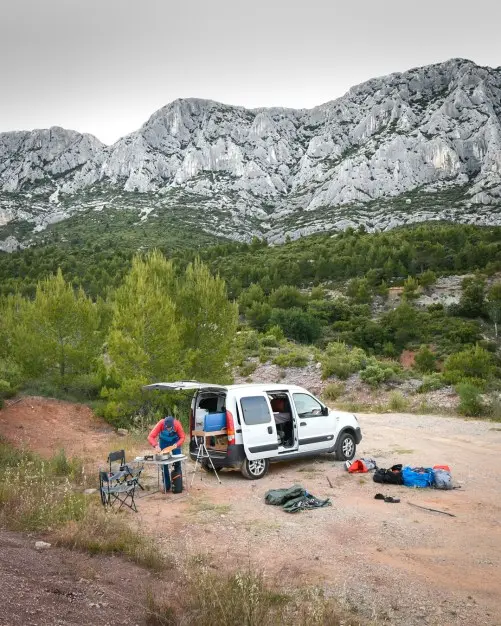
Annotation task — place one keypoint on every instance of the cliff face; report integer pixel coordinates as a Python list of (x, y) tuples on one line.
[(430, 129)]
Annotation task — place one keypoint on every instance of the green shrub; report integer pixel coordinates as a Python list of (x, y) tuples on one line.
[(276, 332), (294, 357), (296, 324), (341, 361), (470, 403), (425, 361), (85, 387), (265, 354), (250, 342), (495, 409), (11, 372), (432, 382), (474, 363), (376, 373), (397, 401), (247, 368), (286, 297), (6, 390), (333, 391)]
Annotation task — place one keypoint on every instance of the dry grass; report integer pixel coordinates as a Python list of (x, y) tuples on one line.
[(36, 495), (105, 531), (244, 597)]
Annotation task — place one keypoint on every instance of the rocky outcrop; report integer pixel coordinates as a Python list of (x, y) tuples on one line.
[(429, 129)]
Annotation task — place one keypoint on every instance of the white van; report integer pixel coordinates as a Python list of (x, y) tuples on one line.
[(266, 423)]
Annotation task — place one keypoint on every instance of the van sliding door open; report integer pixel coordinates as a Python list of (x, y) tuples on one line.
[(259, 432)]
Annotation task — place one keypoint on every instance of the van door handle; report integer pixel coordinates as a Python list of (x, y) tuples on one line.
[(302, 423), (270, 429)]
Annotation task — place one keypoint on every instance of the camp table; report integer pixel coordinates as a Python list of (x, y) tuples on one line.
[(176, 458)]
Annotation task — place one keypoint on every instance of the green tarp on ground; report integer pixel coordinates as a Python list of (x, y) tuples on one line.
[(294, 499)]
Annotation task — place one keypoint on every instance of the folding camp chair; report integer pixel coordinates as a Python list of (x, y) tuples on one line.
[(112, 491), (127, 471)]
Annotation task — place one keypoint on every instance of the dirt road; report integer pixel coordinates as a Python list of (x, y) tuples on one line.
[(394, 562)]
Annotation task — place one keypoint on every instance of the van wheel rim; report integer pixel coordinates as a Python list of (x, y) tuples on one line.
[(347, 447), (256, 467)]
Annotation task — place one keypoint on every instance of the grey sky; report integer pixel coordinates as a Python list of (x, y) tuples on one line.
[(104, 66)]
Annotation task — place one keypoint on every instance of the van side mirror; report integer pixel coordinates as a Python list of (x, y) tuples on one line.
[(325, 410)]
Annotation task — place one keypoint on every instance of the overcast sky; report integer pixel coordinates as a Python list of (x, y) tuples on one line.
[(104, 66)]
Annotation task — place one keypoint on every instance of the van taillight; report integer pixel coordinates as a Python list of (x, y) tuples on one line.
[(230, 428), (192, 421)]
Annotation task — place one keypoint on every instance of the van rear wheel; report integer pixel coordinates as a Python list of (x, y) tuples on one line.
[(257, 468)]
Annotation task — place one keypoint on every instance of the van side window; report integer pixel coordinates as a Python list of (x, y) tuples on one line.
[(255, 410), (306, 406)]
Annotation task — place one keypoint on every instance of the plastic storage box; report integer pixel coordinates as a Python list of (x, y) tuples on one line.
[(214, 421)]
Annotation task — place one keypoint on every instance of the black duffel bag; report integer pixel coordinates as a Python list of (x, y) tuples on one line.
[(177, 482), (392, 476)]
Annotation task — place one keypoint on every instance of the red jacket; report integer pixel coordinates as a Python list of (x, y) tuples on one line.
[(152, 437)]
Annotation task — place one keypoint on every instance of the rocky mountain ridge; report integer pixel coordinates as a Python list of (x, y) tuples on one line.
[(423, 144)]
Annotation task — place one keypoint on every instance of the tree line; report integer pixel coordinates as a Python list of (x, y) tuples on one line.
[(159, 324)]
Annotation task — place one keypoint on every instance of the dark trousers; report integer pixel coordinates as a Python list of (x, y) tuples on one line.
[(176, 469)]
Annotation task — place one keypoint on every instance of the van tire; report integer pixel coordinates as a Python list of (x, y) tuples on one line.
[(346, 447), (253, 470), (206, 466)]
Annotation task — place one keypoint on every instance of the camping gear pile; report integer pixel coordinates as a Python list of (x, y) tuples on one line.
[(294, 499), (437, 477)]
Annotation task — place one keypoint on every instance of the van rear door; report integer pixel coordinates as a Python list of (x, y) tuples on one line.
[(185, 385), (259, 431)]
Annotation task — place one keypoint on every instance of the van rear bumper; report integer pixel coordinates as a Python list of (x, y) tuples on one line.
[(232, 458)]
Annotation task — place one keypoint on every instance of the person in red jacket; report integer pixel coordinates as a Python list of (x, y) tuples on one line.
[(168, 433)]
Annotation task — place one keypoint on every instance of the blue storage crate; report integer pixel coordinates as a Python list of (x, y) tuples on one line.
[(214, 421)]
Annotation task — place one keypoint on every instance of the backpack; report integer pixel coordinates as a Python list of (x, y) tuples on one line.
[(392, 476), (442, 477), (418, 476)]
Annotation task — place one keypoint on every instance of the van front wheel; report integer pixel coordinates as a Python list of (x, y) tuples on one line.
[(252, 470), (346, 447)]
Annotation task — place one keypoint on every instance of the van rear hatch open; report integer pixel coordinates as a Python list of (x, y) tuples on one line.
[(185, 385), (204, 391)]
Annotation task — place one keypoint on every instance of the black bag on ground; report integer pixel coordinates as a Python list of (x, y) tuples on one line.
[(177, 482), (392, 476)]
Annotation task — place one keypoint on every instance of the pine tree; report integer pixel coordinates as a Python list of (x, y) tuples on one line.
[(208, 321), (57, 335)]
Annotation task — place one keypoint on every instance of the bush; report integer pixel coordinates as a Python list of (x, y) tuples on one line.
[(296, 324), (397, 401), (286, 297), (6, 390), (341, 361), (295, 357), (471, 363), (431, 383), (376, 373), (425, 361), (470, 403), (247, 368), (333, 391), (85, 387)]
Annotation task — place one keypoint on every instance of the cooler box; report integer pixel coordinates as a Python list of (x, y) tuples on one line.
[(214, 421)]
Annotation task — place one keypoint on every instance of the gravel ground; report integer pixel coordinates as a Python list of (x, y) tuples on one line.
[(393, 563)]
